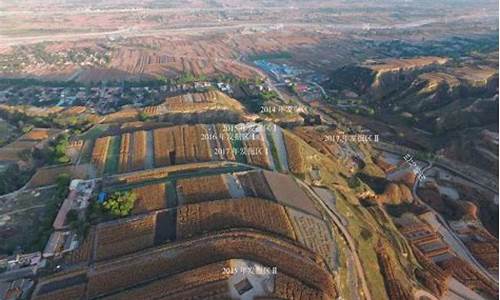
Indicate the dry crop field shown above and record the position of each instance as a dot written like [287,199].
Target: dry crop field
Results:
[172,145]
[180,144]
[195,102]
[27,141]
[177,145]
[148,57]
[149,198]
[124,236]
[210,55]
[195,190]
[48,175]
[100,151]
[138,150]
[295,155]
[123,165]
[194,219]
[124,115]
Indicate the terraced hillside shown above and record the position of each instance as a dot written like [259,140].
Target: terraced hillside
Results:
[193,192]
[247,143]
[223,228]
[448,104]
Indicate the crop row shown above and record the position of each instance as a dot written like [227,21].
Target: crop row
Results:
[224,214]
[199,189]
[150,197]
[100,151]
[124,237]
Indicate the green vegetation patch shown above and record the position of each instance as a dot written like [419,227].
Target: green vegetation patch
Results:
[112,159]
[86,153]
[120,204]
[94,132]
[30,219]
[274,151]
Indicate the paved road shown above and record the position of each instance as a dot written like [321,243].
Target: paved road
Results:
[457,244]
[400,150]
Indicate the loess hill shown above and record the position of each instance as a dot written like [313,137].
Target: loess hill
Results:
[452,103]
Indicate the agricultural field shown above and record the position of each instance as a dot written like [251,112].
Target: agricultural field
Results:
[100,152]
[84,252]
[295,156]
[124,153]
[39,134]
[166,146]
[255,185]
[31,111]
[124,236]
[203,278]
[395,289]
[315,234]
[194,219]
[149,57]
[26,142]
[194,103]
[112,158]
[149,198]
[220,134]
[138,150]
[469,276]
[122,116]
[195,190]
[48,175]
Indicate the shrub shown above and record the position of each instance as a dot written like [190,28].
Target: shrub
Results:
[120,203]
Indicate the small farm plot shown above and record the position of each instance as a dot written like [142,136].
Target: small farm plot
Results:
[150,197]
[138,150]
[99,153]
[112,160]
[199,189]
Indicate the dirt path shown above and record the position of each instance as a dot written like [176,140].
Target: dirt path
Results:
[349,240]
[22,209]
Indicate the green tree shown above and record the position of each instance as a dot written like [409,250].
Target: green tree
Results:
[72,216]
[120,203]
[27,128]
[12,178]
[63,180]
[58,150]
[25,154]
[143,116]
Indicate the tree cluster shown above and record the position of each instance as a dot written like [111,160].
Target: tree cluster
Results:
[120,204]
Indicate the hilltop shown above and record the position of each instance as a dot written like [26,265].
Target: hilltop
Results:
[449,101]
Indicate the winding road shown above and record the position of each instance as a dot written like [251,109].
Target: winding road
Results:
[456,243]
[337,220]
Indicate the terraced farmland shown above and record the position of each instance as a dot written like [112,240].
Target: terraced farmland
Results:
[131,151]
[150,197]
[195,102]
